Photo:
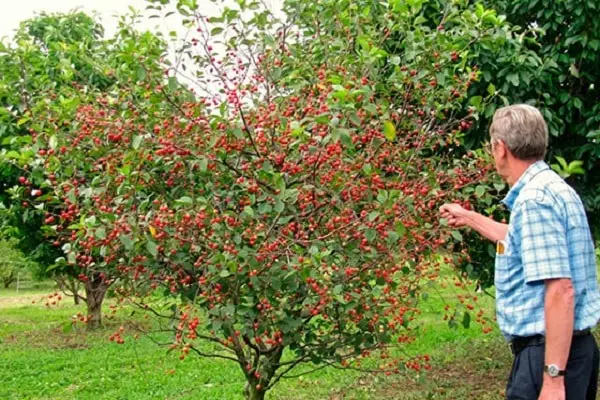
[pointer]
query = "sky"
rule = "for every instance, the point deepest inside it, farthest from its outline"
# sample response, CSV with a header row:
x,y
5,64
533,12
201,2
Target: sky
x,y
106,10
20,10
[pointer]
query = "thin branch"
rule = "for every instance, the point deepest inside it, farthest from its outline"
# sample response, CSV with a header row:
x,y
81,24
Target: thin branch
x,y
200,353
248,132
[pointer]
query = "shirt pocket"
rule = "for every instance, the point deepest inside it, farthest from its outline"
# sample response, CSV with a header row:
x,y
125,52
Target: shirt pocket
x,y
506,266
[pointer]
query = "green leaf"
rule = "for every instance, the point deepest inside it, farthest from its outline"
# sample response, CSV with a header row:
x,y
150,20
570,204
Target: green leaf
x,y
152,248
457,236
370,234
224,273
499,186
53,142
265,208
249,211
344,137
23,120
562,162
322,119
574,70
389,130
480,191
12,155
100,233
491,89
203,164
296,128
393,237
476,101
185,200
513,78
593,134
400,229
373,216
279,206
172,83
141,73
216,31
400,6
71,258
466,322
127,241
135,143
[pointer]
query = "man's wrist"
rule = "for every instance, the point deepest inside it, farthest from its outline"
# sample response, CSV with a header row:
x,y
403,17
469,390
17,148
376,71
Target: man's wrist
x,y
553,381
470,218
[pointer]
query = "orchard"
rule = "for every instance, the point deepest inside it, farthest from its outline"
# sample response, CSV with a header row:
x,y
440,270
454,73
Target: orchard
x,y
279,181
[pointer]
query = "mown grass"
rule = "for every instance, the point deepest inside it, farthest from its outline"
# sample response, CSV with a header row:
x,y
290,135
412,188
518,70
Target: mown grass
x,y
42,360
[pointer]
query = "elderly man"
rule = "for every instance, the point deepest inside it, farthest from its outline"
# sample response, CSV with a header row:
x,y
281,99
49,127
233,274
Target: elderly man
x,y
547,297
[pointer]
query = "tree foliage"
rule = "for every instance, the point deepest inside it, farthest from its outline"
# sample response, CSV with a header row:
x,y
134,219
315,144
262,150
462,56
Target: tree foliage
x,y
12,263
54,64
561,78
290,206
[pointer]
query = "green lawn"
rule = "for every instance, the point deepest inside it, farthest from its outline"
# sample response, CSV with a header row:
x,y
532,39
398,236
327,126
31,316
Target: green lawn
x,y
41,360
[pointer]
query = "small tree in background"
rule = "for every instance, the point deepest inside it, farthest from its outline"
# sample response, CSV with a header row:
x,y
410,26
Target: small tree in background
x,y
55,63
12,263
559,74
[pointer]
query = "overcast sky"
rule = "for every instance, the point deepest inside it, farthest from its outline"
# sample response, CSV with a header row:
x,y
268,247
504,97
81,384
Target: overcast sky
x,y
15,11
19,10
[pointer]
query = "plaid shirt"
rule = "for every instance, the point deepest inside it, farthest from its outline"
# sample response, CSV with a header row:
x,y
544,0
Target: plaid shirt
x,y
548,237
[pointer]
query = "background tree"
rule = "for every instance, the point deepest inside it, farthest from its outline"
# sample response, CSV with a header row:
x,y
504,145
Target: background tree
x,y
12,263
561,78
54,63
548,59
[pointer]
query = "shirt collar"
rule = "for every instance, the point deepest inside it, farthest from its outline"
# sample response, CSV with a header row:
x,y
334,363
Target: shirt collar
x,y
529,173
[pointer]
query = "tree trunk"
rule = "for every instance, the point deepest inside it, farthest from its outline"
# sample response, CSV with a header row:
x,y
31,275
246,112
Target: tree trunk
x,y
74,288
67,285
95,290
256,387
251,393
8,280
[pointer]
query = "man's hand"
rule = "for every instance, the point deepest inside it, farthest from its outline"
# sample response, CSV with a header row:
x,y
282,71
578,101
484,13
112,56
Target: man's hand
x,y
553,390
456,215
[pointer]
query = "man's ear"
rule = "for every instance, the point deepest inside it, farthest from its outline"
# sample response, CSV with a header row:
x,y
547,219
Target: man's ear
x,y
501,149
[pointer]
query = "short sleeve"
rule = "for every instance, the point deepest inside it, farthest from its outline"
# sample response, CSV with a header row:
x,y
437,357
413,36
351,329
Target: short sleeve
x,y
544,247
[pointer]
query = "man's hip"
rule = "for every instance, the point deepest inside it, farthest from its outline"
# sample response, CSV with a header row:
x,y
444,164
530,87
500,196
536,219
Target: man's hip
x,y
527,373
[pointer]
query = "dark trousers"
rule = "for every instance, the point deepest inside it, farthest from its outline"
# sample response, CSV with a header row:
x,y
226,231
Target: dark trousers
x,y
581,380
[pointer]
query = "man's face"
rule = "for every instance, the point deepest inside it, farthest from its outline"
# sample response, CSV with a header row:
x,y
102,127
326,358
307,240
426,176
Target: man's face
x,y
498,150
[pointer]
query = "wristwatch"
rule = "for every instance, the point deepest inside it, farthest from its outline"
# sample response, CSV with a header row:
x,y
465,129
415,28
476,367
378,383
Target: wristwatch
x,y
553,371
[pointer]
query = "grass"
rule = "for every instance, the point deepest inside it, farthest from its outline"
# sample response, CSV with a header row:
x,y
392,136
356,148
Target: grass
x,y
41,360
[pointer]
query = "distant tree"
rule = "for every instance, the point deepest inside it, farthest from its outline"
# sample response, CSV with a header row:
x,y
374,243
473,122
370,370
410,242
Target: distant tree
x,y
12,262
560,75
55,63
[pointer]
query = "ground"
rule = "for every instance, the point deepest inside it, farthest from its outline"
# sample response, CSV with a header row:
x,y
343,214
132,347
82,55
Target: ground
x,y
44,358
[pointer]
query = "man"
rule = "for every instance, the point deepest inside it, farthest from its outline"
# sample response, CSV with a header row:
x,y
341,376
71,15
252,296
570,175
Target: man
x,y
547,296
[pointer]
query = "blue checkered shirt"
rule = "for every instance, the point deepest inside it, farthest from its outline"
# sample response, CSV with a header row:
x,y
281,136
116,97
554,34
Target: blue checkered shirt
x,y
548,237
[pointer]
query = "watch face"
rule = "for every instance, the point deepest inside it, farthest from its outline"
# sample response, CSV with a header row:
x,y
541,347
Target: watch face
x,y
553,370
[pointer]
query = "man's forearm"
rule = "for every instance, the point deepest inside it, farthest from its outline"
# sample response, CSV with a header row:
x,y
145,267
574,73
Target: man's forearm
x,y
487,227
559,311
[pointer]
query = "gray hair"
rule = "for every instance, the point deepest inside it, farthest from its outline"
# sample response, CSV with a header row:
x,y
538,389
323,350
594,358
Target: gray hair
x,y
522,129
